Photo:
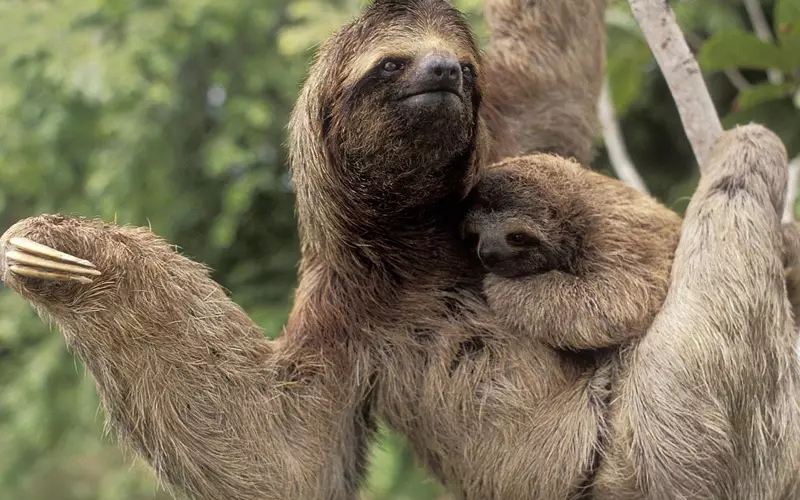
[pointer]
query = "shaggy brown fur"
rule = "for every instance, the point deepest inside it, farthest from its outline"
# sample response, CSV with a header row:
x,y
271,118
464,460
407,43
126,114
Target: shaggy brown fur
x,y
576,259
389,322
552,48
708,406
596,251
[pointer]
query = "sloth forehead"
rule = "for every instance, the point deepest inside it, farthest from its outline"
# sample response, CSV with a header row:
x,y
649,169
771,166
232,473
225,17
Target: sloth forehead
x,y
497,199
497,220
408,34
409,46
508,193
529,213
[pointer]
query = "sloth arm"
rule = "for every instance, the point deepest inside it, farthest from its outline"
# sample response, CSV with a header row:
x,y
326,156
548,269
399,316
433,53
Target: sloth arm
x,y
601,309
709,408
185,377
543,72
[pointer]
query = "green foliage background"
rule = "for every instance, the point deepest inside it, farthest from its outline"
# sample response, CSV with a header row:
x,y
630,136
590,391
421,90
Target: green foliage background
x,y
172,113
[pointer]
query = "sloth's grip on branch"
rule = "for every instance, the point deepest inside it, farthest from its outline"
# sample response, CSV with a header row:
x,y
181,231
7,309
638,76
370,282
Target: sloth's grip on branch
x,y
726,315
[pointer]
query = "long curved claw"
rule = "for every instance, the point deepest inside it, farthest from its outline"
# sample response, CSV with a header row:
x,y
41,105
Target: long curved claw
x,y
34,260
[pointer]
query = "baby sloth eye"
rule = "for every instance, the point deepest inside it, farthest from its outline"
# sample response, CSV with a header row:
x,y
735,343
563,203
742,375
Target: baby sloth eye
x,y
521,239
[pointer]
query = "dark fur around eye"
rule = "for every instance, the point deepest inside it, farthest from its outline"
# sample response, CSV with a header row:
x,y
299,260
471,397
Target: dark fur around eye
x,y
471,239
520,239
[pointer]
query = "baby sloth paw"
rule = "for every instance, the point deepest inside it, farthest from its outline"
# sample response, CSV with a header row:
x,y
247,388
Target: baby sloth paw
x,y
34,260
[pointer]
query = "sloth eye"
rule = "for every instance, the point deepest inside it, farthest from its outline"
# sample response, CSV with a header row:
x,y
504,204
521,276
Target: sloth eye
x,y
467,71
521,239
392,66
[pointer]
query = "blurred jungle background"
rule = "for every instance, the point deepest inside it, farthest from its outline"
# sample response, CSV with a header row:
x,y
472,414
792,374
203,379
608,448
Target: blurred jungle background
x,y
172,113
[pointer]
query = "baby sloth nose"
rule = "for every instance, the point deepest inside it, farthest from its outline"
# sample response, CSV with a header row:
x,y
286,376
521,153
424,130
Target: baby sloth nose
x,y
492,252
437,73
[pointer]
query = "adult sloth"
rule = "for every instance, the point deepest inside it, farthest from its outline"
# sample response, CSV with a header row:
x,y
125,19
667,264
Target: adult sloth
x,y
389,321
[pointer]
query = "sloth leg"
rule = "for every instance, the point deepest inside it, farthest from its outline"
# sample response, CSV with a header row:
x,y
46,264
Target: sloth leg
x,y
709,408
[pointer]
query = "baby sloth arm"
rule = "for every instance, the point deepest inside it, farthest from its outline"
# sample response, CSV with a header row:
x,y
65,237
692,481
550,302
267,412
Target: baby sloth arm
x,y
600,309
576,259
184,375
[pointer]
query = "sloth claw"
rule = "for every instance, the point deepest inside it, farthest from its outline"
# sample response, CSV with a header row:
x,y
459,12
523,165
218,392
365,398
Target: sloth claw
x,y
34,260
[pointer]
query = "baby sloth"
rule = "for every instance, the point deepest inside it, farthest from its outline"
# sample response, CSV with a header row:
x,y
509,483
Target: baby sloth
x,y
576,259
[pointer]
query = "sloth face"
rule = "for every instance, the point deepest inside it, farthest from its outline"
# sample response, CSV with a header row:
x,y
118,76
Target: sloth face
x,y
512,245
520,222
408,100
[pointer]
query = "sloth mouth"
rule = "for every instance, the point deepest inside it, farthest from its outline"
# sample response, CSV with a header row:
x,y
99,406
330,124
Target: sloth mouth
x,y
430,100
431,91
426,94
429,87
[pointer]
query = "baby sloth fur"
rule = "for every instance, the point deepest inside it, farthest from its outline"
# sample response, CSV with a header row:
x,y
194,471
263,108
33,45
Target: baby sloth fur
x,y
576,259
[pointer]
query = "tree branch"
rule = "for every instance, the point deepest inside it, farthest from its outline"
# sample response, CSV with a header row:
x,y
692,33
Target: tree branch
x,y
764,32
734,75
615,143
682,73
757,19
737,79
791,190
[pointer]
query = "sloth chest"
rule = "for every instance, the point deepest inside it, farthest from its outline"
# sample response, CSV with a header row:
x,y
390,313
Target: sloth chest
x,y
490,417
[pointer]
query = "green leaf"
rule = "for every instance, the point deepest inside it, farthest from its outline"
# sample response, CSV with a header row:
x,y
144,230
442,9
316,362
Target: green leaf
x,y
764,92
622,19
787,29
710,17
779,115
628,56
790,50
787,13
738,49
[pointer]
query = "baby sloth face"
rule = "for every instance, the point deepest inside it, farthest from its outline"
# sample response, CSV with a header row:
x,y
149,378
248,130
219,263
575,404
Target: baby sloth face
x,y
522,221
515,243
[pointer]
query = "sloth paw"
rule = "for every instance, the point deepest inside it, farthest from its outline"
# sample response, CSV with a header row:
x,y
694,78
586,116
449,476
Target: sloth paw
x,y
34,260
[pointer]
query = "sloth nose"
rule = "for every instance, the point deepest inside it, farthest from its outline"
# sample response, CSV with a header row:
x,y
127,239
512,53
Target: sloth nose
x,y
437,72
440,68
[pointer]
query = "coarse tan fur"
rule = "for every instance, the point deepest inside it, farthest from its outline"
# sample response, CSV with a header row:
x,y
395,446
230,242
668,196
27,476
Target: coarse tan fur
x,y
707,403
389,321
595,250
538,48
576,259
